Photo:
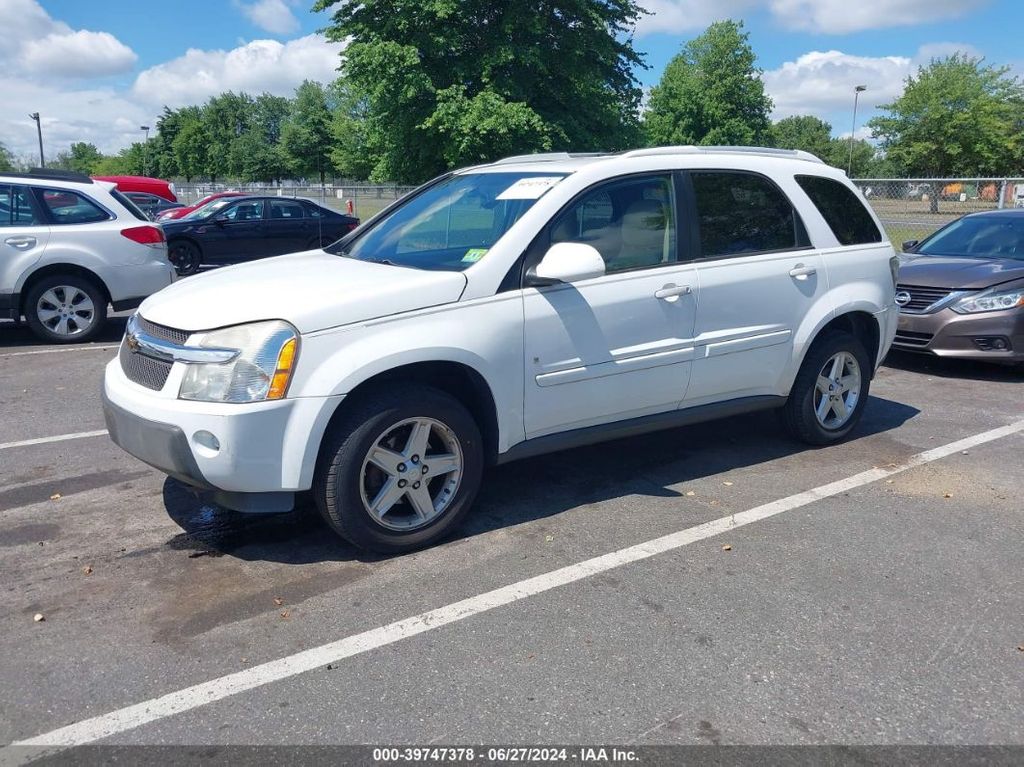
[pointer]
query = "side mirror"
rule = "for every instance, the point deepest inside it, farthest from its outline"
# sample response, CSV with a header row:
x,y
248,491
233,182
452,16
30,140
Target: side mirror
x,y
909,245
220,219
568,262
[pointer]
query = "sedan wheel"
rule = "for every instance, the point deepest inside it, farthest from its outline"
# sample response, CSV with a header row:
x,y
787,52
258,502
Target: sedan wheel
x,y
66,311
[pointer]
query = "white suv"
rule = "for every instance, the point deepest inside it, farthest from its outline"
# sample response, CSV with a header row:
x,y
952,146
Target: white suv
x,y
507,310
69,247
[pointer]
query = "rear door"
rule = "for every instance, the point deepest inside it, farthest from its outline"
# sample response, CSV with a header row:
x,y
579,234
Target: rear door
x,y
759,277
287,229
24,233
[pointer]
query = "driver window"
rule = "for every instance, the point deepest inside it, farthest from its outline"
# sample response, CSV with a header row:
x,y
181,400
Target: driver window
x,y
631,223
251,210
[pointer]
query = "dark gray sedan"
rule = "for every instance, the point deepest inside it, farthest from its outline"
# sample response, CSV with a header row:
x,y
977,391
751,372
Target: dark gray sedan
x,y
961,290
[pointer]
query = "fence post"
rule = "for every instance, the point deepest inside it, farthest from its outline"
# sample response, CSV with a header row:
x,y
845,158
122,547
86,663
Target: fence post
x,y
1002,194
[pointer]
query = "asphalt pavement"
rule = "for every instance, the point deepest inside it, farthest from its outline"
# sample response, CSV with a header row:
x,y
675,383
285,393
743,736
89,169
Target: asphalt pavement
x,y
718,601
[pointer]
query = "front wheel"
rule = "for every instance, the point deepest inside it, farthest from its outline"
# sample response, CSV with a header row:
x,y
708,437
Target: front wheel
x,y
831,389
400,469
184,257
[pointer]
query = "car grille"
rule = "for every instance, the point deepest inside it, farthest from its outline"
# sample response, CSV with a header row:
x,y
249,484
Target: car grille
x,y
910,338
921,298
146,371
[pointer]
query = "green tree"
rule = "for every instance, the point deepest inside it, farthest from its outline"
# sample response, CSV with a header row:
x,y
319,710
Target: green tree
x,y
6,158
805,132
306,136
161,148
82,158
711,93
225,118
191,146
350,149
448,83
956,117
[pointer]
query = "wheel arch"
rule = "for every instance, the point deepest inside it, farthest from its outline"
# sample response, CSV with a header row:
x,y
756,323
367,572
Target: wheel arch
x,y
462,381
51,270
860,323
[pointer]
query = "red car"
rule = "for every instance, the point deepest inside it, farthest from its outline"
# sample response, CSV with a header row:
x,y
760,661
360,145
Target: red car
x,y
170,215
156,186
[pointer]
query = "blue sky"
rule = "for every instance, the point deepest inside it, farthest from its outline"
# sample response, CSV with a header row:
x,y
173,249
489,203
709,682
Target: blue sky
x,y
98,70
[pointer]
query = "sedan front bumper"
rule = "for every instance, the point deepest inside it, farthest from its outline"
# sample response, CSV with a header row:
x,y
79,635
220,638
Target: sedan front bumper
x,y
970,336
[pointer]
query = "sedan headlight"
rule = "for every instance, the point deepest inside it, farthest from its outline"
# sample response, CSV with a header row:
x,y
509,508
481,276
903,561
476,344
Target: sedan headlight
x,y
990,300
261,370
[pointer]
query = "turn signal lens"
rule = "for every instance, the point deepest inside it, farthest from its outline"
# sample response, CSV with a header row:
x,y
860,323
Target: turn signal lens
x,y
283,372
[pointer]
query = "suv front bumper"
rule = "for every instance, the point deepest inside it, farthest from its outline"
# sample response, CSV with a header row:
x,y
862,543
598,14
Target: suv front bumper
x,y
266,450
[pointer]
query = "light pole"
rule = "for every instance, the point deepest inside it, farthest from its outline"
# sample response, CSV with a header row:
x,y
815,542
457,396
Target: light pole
x,y
856,95
39,130
145,151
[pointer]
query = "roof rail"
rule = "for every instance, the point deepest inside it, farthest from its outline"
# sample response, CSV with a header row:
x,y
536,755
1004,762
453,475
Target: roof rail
x,y
51,174
546,157
793,154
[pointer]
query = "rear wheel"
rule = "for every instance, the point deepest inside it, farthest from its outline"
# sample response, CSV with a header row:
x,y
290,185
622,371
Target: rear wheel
x,y
400,470
66,309
184,256
830,391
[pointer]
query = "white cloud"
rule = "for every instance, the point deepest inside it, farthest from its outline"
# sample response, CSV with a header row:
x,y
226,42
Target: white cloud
x,y
669,16
274,16
843,16
827,16
258,66
77,54
32,43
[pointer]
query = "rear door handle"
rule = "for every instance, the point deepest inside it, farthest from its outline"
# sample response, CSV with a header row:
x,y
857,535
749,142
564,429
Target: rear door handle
x,y
802,272
671,291
21,243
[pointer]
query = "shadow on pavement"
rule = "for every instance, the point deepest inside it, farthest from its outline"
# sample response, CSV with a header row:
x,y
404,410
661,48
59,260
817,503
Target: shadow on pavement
x,y
946,367
14,336
520,492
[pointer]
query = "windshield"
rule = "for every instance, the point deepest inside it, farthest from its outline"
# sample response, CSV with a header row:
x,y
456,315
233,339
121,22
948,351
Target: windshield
x,y
209,208
992,236
453,224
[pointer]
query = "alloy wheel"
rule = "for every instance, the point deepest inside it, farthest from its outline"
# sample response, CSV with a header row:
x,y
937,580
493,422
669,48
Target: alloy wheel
x,y
411,474
837,390
66,310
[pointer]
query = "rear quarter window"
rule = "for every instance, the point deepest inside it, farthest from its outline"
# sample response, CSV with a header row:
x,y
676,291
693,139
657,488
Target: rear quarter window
x,y
843,210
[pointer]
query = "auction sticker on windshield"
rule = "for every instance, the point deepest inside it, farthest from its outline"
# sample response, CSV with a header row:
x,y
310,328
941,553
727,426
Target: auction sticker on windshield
x,y
529,188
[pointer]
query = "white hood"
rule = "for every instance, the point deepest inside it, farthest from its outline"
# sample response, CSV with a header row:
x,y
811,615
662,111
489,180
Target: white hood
x,y
312,291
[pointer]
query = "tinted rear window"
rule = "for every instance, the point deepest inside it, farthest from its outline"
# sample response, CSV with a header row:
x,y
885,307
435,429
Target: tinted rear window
x,y
129,205
744,213
842,209
67,207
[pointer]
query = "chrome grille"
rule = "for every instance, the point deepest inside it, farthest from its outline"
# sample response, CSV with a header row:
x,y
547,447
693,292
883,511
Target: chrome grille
x,y
144,370
922,298
162,331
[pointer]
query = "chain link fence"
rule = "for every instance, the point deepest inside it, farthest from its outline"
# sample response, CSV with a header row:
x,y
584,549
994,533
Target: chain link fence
x,y
911,209
366,199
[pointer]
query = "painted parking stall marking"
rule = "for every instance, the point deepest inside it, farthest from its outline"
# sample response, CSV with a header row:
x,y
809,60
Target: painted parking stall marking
x,y
57,438
189,698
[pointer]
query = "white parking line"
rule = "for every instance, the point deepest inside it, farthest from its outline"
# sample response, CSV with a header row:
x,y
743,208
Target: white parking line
x,y
105,725
85,348
58,438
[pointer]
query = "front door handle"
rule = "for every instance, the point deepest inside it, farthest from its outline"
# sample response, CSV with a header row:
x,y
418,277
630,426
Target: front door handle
x,y
672,290
802,272
21,243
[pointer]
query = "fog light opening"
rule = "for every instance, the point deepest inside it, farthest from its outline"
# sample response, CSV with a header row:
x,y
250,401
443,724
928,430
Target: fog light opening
x,y
206,442
993,343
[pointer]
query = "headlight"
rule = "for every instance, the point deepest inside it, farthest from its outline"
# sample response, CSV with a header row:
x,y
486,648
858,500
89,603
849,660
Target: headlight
x,y
262,370
990,300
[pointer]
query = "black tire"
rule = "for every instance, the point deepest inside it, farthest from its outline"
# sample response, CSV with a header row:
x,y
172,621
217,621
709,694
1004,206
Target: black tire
x,y
47,327
798,414
184,256
338,486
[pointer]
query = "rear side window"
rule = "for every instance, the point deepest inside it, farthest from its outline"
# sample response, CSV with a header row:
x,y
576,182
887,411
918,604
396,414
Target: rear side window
x,y
842,210
285,209
741,213
16,208
67,207
129,205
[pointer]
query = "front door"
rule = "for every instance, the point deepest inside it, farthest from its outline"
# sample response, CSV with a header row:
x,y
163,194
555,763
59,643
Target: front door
x,y
237,233
23,235
620,345
759,277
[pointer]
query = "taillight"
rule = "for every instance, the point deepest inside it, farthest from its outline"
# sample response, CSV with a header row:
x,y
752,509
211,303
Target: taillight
x,y
353,227
153,236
